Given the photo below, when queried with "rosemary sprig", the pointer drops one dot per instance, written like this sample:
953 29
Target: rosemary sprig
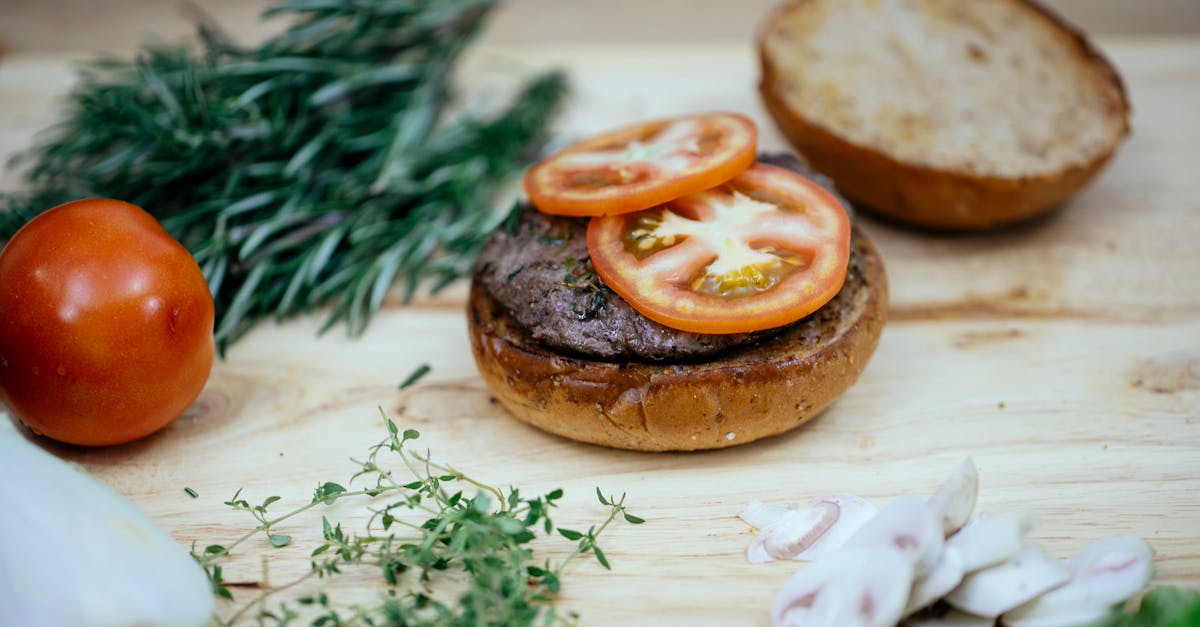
316 169
427 532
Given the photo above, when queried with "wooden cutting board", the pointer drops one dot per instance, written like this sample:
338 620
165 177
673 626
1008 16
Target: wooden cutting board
1062 356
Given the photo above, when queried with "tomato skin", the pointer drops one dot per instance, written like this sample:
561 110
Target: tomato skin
643 165
106 324
795 217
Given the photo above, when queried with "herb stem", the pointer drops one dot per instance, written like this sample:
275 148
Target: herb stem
267 525
317 169
478 545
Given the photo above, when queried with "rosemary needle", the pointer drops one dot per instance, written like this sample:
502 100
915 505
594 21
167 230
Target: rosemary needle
317 169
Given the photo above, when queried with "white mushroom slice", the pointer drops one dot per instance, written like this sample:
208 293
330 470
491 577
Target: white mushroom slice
990 539
952 618
996 590
955 499
1064 619
761 515
1104 574
857 587
944 577
906 524
805 532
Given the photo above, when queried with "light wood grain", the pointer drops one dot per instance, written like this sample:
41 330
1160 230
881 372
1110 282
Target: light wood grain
48 26
1063 356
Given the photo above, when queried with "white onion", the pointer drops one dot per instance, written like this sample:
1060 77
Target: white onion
76 553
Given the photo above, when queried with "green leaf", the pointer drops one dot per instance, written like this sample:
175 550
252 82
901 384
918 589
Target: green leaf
415 375
570 534
279 540
328 492
1162 607
633 520
600 495
601 558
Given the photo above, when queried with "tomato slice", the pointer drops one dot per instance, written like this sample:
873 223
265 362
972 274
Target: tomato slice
641 166
763 250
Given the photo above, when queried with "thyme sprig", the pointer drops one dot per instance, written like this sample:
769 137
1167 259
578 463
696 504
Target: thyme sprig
316 169
424 531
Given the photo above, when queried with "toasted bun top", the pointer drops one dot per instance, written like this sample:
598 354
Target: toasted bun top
944 114
990 87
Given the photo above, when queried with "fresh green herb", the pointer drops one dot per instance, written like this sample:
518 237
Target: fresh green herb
425 530
1162 607
415 375
515 273
512 220
318 168
581 277
192 493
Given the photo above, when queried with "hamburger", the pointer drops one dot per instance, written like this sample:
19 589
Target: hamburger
565 352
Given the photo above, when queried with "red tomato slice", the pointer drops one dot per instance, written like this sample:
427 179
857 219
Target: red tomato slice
644 165
763 250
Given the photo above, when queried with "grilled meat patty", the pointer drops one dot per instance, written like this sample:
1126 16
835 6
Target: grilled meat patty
537 268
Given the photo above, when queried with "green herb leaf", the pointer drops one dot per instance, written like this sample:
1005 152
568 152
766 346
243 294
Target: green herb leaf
601 558
454 559
317 169
415 376
1162 607
569 534
279 540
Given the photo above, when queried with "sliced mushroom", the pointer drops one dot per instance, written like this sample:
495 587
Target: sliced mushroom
951 618
760 515
1104 574
945 576
805 532
856 587
990 539
906 524
993 591
955 499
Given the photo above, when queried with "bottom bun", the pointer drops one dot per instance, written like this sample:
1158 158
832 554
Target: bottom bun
745 394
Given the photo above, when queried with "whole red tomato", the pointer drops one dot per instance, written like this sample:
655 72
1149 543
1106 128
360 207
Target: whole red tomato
106 324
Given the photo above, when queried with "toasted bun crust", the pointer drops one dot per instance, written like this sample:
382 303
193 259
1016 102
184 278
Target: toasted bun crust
942 114
747 394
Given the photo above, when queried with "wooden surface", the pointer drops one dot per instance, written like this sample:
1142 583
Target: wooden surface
1063 356
120 25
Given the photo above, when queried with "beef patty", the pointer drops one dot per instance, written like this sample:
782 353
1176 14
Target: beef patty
537 268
